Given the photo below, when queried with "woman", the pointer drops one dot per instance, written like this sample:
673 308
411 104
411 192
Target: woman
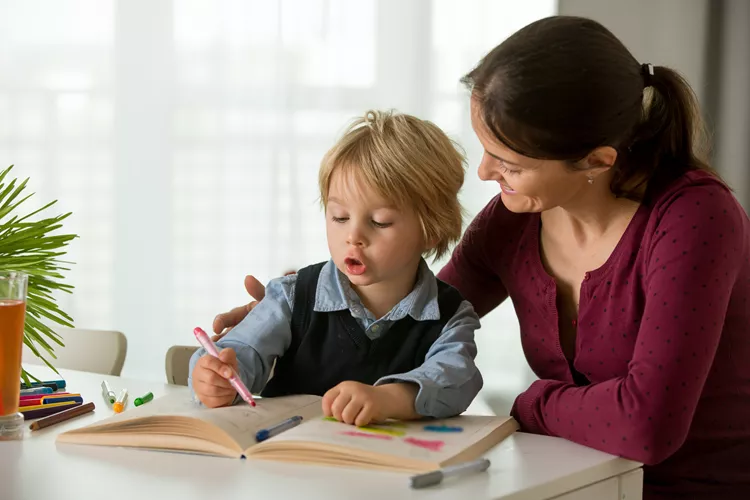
625 256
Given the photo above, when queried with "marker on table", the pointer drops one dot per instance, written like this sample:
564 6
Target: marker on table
437 476
63 399
49 398
37 385
46 410
62 416
26 397
26 409
143 399
287 424
36 390
121 402
108 393
210 348
60 384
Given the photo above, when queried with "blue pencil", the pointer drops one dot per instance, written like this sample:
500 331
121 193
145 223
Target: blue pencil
59 383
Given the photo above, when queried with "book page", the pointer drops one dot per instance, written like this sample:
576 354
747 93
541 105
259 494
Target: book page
418 445
239 422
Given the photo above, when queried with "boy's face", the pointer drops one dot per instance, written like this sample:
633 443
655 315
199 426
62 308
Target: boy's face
370 240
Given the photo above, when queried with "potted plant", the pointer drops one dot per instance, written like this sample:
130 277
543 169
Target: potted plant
28 245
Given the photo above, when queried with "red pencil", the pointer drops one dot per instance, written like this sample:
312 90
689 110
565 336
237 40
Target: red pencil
37 396
44 397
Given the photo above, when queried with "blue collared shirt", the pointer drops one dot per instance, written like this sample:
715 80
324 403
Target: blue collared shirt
448 379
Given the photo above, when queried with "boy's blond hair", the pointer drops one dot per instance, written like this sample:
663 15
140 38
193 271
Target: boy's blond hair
408 161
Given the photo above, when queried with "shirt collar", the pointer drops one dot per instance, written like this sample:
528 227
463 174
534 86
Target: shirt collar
334 293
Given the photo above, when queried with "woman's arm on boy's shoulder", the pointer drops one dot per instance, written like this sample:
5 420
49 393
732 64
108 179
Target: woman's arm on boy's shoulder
448 380
472 268
262 336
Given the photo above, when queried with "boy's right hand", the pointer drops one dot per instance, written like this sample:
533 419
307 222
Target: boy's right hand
211 379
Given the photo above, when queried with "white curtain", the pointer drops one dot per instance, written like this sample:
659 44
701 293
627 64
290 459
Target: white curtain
186 136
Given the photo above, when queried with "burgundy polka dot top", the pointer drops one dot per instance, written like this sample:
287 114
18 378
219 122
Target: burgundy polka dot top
661 372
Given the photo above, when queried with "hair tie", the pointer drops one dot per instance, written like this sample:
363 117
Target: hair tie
647 71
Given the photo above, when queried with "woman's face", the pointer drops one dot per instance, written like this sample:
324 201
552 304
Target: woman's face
527 184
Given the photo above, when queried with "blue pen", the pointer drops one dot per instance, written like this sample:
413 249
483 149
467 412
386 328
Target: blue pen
287 424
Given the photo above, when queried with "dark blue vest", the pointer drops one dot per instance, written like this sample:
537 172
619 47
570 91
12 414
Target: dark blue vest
328 348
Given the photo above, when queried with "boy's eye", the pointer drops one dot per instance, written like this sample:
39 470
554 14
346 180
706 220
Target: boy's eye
339 219
381 225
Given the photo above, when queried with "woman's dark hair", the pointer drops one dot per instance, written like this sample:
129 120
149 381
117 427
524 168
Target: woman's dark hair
563 86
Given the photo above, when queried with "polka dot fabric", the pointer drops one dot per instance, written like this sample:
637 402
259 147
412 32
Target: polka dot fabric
662 363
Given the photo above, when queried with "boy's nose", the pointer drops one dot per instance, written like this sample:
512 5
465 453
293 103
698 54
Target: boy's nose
354 241
355 238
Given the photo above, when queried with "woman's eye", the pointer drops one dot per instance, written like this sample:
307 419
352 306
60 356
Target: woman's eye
339 220
381 225
507 170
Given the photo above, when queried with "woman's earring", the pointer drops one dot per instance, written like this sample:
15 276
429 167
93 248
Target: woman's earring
591 179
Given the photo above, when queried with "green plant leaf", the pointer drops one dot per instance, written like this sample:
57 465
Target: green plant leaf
27 245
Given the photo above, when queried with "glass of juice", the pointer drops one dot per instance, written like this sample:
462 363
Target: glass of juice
13 287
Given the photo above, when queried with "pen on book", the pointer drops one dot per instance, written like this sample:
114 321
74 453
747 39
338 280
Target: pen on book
109 394
143 399
121 401
62 416
210 348
437 476
272 431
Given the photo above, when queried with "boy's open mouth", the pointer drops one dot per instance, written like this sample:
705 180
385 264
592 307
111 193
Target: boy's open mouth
354 266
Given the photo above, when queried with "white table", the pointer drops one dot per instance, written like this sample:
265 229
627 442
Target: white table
524 467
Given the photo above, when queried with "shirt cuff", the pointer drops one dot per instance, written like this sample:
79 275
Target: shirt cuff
424 398
525 404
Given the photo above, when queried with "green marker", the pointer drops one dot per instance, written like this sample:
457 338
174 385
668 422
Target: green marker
143 399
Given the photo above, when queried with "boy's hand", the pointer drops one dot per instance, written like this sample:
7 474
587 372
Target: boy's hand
211 379
353 403
360 404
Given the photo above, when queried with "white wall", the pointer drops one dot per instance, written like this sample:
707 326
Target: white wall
661 32
732 136
186 136
708 42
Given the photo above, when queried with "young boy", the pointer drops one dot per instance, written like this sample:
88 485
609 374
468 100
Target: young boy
371 330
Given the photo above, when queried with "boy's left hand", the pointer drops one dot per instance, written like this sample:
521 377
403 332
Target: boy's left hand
355 403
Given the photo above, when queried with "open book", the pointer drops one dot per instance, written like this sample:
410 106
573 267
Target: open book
177 423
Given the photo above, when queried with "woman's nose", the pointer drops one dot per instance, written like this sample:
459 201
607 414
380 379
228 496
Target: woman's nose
485 170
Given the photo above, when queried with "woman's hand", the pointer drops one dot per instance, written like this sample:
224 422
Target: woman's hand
224 322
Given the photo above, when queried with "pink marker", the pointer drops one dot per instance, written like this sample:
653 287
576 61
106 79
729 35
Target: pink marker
210 347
